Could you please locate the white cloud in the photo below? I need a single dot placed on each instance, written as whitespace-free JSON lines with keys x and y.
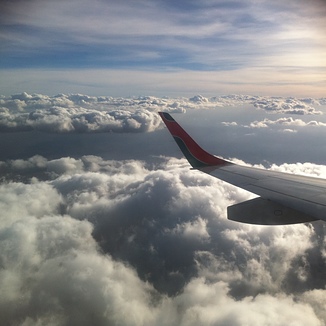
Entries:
{"x":17,"y":200}
{"x":81,"y":113}
{"x":290,"y":130}
{"x":200,"y":300}
{"x":317,"y":299}
{"x":251,"y":47}
{"x":233,"y":123}
{"x":302,"y":168}
{"x":289,"y":121}
{"x":54,"y":273}
{"x":288,"y":106}
{"x":63,"y":241}
{"x":281,"y":124}
{"x":85,"y":114}
{"x":193,"y":230}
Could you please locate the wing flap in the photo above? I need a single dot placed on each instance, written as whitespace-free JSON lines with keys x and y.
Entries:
{"x":300,"y":193}
{"x":265,"y":212}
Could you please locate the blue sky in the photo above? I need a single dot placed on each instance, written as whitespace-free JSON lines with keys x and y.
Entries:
{"x":124,"y":48}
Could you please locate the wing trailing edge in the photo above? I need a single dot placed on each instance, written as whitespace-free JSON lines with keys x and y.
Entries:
{"x":266,"y":212}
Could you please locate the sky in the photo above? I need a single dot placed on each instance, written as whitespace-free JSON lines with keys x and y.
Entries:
{"x":163,"y":48}
{"x":102,"y":221}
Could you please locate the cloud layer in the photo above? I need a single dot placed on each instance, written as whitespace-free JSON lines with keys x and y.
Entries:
{"x":76,"y":113}
{"x":85,"y":114}
{"x":120,"y":242}
{"x":284,"y":124}
{"x":289,"y":105}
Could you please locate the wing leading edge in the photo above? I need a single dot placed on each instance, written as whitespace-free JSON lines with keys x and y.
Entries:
{"x":284,"y":198}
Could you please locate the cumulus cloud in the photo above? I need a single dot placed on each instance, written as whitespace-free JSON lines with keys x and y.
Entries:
{"x":289,"y":121}
{"x":271,"y":104}
{"x":288,"y":105}
{"x":282,"y":124}
{"x":119,"y":242}
{"x":233,"y":123}
{"x":82,"y":113}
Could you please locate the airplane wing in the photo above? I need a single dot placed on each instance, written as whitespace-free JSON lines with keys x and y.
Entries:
{"x":284,"y":198}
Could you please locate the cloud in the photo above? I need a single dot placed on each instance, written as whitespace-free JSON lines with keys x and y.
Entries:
{"x":285,"y":122}
{"x":53,"y":273}
{"x":159,"y":47}
{"x":281,"y":124}
{"x":288,"y":106}
{"x":94,"y":241}
{"x":88,"y":114}
{"x":161,"y":29}
{"x":81,"y":113}
{"x":58,"y":119}
{"x":201,"y":299}
{"x":233,"y":123}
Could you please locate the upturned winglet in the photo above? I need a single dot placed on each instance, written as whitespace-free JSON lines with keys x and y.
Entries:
{"x":196,"y":156}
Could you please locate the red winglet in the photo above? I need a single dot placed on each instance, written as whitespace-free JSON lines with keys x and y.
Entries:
{"x":196,"y":156}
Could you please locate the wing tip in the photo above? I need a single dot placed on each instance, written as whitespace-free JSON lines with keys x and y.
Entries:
{"x":197,"y":157}
{"x":166,"y":116}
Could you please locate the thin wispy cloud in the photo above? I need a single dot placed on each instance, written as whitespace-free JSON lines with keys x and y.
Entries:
{"x":214,"y":36}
